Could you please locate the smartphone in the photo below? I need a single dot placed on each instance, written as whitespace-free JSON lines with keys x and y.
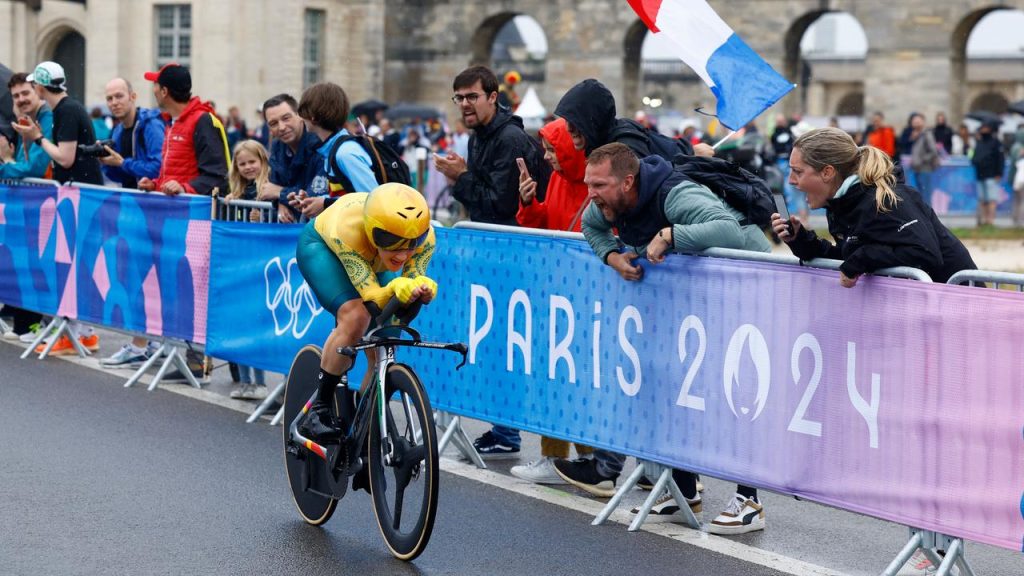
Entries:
{"x":783,"y":210}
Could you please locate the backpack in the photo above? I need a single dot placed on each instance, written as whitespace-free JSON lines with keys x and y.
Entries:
{"x":667,"y":147}
{"x":386,"y":163}
{"x":742,"y":190}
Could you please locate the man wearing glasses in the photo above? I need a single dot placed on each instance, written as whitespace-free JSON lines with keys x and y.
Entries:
{"x":487,"y":183}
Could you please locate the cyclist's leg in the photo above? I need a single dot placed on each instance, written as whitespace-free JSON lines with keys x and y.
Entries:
{"x":330,"y":283}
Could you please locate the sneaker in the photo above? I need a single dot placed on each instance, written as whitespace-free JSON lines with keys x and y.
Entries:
{"x":539,"y":472}
{"x":63,"y":347}
{"x":583,"y":474}
{"x":33,"y":333}
{"x":10,"y":335}
{"x":91,"y":342}
{"x":490,"y":448}
{"x":665,"y":509}
{"x":319,"y":425}
{"x":254,"y":392}
{"x":742,"y":515}
{"x":238,"y":390}
{"x":127,"y":357}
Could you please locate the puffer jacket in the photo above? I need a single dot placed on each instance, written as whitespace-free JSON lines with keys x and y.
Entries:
{"x":566,"y":193}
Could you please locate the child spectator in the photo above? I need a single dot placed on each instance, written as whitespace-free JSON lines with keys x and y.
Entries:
{"x":250,"y":170}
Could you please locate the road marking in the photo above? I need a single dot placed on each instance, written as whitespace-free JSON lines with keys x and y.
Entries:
{"x":678,"y":532}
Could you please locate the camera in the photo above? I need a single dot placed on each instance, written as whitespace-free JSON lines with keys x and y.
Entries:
{"x":95,"y":150}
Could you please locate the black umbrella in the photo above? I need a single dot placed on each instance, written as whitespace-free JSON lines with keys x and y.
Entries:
{"x":405,"y":110}
{"x":1017,"y":108}
{"x":369,"y":108}
{"x":986,"y":117}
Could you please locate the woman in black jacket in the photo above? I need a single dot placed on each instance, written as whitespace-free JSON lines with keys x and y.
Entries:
{"x":876,"y":221}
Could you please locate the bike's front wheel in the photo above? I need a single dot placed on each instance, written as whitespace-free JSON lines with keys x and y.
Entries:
{"x":404,"y":470}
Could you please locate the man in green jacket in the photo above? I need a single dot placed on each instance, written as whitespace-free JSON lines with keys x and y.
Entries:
{"x":656,"y":210}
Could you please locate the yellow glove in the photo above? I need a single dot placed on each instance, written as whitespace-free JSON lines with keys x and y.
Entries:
{"x":379,"y":296}
{"x":404,"y":287}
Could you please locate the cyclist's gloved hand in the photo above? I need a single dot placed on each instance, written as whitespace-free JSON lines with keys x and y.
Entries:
{"x":429,"y":284}
{"x":379,"y":296}
{"x":404,"y":287}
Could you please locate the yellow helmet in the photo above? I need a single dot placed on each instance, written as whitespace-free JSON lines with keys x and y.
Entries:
{"x":396,"y":217}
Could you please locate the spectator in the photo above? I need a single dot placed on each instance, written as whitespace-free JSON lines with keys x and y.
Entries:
{"x":1016,"y":177}
{"x":71,"y":127}
{"x":138,"y":145}
{"x":235,"y":127}
{"x":963,"y":142}
{"x":943,"y":133}
{"x":27,"y":161}
{"x":563,"y":204}
{"x":881,"y":135}
{"x":195,"y":159}
{"x":924,"y":156}
{"x":460,"y":139}
{"x":414,"y":154}
{"x":138,"y":137}
{"x":99,"y":123}
{"x":589,"y":112}
{"x":20,"y":159}
{"x":389,"y":135}
{"x":988,"y":162}
{"x":878,"y":221}
{"x":295,"y":169}
{"x":347,"y":166}
{"x":657,"y":209}
{"x":488,"y":185}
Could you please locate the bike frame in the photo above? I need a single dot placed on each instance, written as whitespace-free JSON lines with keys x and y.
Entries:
{"x":374,"y":396}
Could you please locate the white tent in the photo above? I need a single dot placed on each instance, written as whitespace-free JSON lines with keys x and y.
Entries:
{"x":531,"y":111}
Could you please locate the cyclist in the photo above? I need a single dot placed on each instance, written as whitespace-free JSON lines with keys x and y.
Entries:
{"x":363,"y":249}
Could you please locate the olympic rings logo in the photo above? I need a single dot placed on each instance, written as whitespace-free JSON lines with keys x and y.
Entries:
{"x":297,"y":306}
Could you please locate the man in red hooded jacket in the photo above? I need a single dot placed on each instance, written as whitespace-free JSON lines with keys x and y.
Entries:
{"x":195,"y":156}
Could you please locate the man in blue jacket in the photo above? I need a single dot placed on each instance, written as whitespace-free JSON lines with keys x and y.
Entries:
{"x":137,"y":153}
{"x":138,"y":137}
{"x":295,"y":168}
{"x":28,"y":161}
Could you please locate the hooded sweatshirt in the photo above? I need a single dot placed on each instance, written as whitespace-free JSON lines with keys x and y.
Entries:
{"x":589,"y":107}
{"x":566,"y":193}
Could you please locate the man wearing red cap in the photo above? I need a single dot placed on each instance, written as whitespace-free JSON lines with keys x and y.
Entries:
{"x":195,"y":157}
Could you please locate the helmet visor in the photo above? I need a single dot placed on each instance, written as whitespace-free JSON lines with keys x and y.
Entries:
{"x":385,"y":240}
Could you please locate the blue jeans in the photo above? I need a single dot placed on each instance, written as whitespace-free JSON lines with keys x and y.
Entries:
{"x":250,"y":375}
{"x":507,"y":436}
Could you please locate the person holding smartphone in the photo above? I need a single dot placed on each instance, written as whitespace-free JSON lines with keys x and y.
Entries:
{"x":877,"y":221}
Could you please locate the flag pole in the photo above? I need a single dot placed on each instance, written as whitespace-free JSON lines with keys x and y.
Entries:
{"x":722,"y":141}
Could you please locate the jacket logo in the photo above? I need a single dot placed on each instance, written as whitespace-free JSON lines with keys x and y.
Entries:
{"x":905,"y":225}
{"x":177,"y":138}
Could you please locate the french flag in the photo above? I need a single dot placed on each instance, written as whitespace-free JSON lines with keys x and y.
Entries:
{"x":744,"y":84}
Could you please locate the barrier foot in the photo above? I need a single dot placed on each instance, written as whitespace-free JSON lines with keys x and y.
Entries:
{"x":64,"y":328}
{"x":175,"y":359}
{"x":455,"y":434}
{"x":930,"y":543}
{"x":265,"y":405}
{"x":628,"y":485}
{"x":147,"y":364}
{"x":5,"y":327}
{"x":50,"y":327}
{"x":278,"y":417}
{"x":665,"y":483}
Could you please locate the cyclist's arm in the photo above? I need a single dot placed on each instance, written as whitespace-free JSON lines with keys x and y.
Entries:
{"x":361,"y":274}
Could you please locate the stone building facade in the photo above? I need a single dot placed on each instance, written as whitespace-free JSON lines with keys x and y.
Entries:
{"x":242,"y":51}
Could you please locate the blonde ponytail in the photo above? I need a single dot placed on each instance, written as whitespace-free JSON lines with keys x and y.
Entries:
{"x":875,"y":169}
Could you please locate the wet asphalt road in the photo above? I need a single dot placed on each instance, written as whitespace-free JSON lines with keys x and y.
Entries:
{"x":97,"y":479}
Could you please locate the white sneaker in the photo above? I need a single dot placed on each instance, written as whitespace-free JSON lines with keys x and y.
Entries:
{"x":127,"y":357}
{"x":665,"y":509}
{"x":539,"y":472}
{"x":30,"y":336}
{"x":10,"y":335}
{"x":239,"y":391}
{"x":254,"y":392}
{"x":742,"y":515}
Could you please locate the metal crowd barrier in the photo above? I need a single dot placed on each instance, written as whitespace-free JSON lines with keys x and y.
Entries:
{"x":235,"y":210}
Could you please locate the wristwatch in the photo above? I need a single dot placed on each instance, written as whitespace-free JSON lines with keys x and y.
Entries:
{"x":39,"y":141}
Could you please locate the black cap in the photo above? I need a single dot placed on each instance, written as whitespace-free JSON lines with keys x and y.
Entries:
{"x":173,"y":77}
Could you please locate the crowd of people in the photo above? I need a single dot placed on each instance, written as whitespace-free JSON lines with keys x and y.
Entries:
{"x":616,"y":180}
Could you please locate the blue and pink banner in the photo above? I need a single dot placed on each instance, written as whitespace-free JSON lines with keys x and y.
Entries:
{"x":137,"y":262}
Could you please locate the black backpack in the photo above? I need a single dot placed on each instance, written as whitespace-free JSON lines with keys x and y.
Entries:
{"x":667,"y":147}
{"x":742,"y":190}
{"x":387,"y":163}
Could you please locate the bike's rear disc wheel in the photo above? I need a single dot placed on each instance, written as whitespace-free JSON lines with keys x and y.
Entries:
{"x":405,"y":517}
{"x":314,"y":508}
